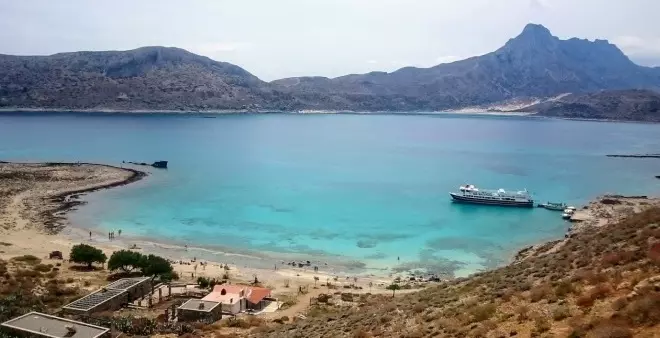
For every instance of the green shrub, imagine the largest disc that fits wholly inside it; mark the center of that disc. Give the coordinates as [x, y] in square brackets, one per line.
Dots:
[86, 254]
[169, 276]
[153, 265]
[125, 260]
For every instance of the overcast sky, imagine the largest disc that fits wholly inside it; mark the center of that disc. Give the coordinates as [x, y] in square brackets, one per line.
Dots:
[282, 38]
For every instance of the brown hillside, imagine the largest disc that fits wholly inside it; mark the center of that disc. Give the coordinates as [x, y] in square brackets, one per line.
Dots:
[602, 282]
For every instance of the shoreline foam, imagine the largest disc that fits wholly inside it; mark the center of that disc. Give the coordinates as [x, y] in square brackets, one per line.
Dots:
[59, 203]
[25, 234]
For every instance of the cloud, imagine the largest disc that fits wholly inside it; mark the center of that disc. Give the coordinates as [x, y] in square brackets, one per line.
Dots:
[638, 43]
[372, 62]
[447, 58]
[219, 47]
[538, 4]
[643, 49]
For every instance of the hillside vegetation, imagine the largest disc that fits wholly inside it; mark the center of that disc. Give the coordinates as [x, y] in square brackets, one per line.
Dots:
[602, 282]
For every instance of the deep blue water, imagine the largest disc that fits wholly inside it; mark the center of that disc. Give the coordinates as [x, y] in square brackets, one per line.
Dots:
[364, 189]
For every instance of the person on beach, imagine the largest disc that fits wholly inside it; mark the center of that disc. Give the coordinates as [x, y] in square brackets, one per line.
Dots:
[90, 235]
[186, 246]
[119, 232]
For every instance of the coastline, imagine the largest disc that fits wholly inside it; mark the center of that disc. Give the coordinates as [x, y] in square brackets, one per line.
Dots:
[463, 111]
[58, 234]
[602, 211]
[34, 221]
[219, 112]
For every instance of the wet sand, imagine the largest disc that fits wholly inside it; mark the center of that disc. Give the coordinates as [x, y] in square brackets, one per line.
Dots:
[34, 200]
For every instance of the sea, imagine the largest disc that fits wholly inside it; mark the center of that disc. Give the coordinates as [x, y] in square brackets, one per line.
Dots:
[358, 193]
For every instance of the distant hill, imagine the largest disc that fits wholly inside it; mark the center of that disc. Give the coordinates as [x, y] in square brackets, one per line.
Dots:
[143, 78]
[626, 105]
[532, 65]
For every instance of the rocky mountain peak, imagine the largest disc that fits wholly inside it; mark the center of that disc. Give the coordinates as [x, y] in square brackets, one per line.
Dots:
[535, 30]
[533, 36]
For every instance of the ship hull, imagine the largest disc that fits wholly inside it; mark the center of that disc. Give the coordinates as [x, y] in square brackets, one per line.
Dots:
[472, 200]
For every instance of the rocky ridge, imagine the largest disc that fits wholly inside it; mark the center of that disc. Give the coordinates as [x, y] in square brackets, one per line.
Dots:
[535, 64]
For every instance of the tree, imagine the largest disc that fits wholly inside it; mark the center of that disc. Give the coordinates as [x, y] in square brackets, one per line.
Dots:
[169, 276]
[86, 254]
[153, 265]
[125, 260]
[203, 282]
[393, 287]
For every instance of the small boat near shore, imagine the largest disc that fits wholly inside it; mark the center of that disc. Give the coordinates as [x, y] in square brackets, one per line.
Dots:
[553, 206]
[568, 213]
[471, 194]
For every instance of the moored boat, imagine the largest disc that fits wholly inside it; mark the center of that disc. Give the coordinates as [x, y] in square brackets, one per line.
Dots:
[553, 206]
[471, 194]
[568, 213]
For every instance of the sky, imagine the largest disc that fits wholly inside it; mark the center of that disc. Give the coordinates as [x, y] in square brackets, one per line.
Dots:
[283, 38]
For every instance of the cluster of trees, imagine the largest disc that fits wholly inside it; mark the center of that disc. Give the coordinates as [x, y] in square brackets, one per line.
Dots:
[123, 260]
[129, 261]
[205, 282]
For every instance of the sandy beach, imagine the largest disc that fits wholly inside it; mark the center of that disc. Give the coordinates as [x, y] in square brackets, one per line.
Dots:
[34, 199]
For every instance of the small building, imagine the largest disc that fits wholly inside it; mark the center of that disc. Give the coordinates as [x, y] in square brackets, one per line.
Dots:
[35, 324]
[135, 287]
[238, 298]
[258, 298]
[112, 297]
[199, 310]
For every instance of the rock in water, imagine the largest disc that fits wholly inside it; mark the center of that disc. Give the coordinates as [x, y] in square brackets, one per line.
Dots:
[160, 164]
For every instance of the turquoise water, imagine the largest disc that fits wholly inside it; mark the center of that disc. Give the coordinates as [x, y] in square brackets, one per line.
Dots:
[357, 191]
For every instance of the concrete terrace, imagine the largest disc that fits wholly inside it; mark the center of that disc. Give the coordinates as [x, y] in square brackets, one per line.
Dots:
[43, 325]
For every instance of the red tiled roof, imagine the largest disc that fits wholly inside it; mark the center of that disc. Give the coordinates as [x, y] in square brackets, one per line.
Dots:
[252, 293]
[230, 288]
[257, 294]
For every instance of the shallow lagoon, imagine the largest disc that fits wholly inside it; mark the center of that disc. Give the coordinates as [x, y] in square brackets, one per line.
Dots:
[359, 191]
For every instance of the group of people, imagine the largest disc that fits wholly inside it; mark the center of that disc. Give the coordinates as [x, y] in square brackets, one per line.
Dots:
[111, 234]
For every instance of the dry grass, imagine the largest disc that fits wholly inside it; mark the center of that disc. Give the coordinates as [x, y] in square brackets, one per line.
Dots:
[24, 288]
[27, 259]
[590, 287]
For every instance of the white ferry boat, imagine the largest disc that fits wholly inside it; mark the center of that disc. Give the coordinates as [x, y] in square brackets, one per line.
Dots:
[471, 194]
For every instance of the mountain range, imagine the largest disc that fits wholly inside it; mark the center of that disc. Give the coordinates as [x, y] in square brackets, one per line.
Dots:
[534, 64]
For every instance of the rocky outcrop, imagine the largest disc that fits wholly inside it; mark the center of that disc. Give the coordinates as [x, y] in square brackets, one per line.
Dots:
[621, 105]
